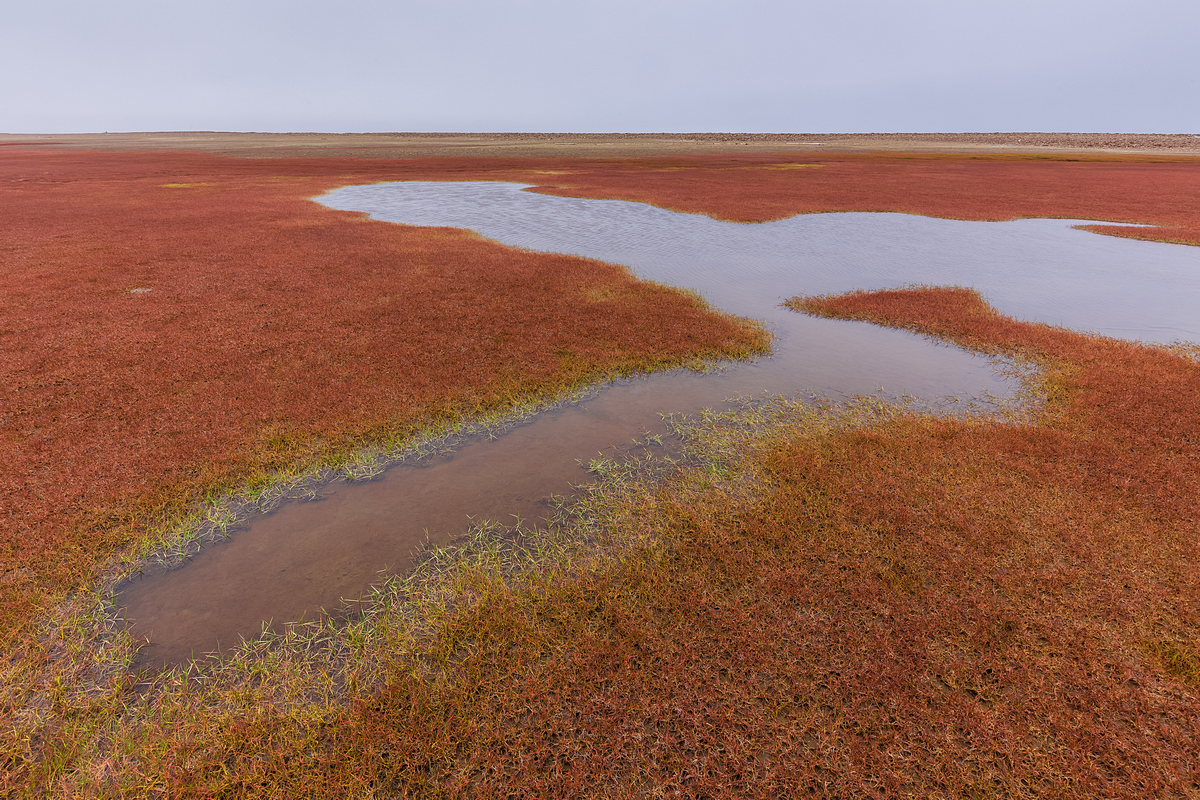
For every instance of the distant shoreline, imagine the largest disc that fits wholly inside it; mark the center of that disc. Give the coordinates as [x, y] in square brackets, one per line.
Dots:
[416, 145]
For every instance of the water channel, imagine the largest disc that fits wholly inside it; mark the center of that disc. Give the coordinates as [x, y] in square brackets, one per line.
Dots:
[306, 557]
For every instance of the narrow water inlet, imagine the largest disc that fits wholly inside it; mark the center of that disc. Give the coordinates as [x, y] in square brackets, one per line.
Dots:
[305, 557]
[309, 557]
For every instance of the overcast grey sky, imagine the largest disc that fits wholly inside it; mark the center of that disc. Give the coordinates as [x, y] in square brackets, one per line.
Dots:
[602, 66]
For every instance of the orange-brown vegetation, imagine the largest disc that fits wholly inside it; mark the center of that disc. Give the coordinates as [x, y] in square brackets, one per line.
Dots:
[846, 605]
[889, 606]
[918, 606]
[271, 330]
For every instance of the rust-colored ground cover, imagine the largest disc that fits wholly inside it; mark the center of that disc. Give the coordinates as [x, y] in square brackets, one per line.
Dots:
[882, 606]
[911, 605]
[273, 331]
[917, 606]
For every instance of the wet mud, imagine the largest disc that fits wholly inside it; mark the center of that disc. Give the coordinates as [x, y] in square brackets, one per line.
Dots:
[314, 557]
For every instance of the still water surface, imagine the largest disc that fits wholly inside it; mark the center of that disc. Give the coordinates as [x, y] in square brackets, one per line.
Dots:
[1034, 269]
[306, 557]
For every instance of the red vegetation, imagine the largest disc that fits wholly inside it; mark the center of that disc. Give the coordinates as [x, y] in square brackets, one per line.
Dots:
[1129, 432]
[916, 607]
[273, 329]
[273, 324]
[920, 606]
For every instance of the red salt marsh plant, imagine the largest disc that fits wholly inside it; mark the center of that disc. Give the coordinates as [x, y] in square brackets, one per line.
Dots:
[841, 601]
[174, 321]
[174, 326]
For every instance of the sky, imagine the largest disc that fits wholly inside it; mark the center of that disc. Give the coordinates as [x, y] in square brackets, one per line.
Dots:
[76, 66]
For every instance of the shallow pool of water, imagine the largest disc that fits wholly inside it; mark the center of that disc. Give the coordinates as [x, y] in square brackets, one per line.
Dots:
[1037, 269]
[306, 557]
